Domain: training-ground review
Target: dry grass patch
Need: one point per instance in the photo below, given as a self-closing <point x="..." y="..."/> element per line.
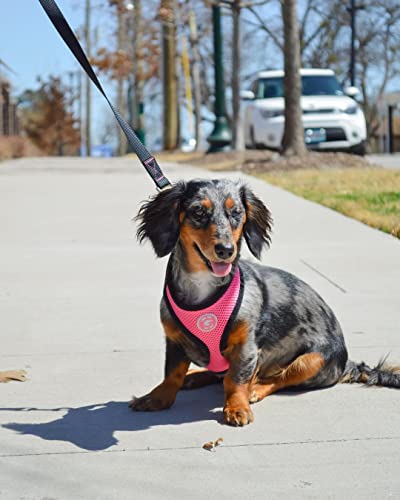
<point x="370" y="195"/>
<point x="343" y="182"/>
<point x="222" y="161"/>
<point x="178" y="156"/>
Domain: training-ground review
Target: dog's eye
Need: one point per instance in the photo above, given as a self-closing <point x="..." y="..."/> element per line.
<point x="198" y="211"/>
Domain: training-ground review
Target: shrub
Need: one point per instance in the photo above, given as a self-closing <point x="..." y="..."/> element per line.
<point x="13" y="146"/>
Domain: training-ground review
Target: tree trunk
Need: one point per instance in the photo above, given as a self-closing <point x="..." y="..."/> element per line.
<point x="194" y="43"/>
<point x="80" y="111"/>
<point x="293" y="137"/>
<point x="138" y="115"/>
<point x="237" y="132"/>
<point x="187" y="85"/>
<point x="170" y="118"/>
<point x="88" y="142"/>
<point x="121" y="45"/>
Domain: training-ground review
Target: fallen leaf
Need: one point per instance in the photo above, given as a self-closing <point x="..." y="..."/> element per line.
<point x="211" y="445"/>
<point x="18" y="375"/>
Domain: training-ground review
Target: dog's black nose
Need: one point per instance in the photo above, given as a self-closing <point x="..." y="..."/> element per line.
<point x="224" y="250"/>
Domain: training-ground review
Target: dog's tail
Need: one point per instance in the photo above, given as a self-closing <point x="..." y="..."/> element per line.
<point x="382" y="374"/>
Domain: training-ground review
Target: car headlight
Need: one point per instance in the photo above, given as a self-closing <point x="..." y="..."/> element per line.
<point x="350" y="110"/>
<point x="271" y="113"/>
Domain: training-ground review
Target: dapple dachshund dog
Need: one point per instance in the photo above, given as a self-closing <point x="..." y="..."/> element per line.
<point x="255" y="328"/>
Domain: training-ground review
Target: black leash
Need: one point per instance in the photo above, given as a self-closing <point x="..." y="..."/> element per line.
<point x="60" y="23"/>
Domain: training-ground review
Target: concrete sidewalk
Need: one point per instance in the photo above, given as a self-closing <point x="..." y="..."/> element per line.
<point x="79" y="311"/>
<point x="385" y="160"/>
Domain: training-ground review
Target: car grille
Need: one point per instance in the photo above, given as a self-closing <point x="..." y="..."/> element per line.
<point x="322" y="111"/>
<point x="335" y="134"/>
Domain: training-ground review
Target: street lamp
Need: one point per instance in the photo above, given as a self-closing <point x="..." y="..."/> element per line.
<point x="221" y="136"/>
<point x="352" y="10"/>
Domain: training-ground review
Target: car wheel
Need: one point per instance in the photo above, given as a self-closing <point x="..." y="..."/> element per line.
<point x="359" y="149"/>
<point x="252" y="144"/>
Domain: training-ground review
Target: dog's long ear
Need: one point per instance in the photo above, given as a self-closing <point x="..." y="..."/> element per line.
<point x="258" y="225"/>
<point x="159" y="219"/>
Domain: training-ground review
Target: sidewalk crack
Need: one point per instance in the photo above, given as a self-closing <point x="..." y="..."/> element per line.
<point x="323" y="276"/>
<point x="184" y="448"/>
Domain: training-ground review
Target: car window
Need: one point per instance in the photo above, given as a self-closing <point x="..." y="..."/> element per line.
<point x="321" y="85"/>
<point x="268" y="88"/>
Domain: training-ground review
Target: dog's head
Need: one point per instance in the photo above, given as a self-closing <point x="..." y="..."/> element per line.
<point x="208" y="218"/>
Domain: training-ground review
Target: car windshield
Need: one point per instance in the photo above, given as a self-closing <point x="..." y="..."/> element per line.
<point x="267" y="88"/>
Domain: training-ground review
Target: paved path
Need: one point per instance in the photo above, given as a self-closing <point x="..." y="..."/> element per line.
<point x="385" y="160"/>
<point x="78" y="311"/>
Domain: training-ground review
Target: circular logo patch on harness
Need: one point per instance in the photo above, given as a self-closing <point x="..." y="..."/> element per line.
<point x="207" y="322"/>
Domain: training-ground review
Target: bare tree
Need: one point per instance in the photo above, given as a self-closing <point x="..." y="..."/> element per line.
<point x="193" y="22"/>
<point x="135" y="56"/>
<point x="88" y="83"/>
<point x="121" y="48"/>
<point x="170" y="121"/>
<point x="237" y="136"/>
<point x="293" y="136"/>
<point x="139" y="63"/>
<point x="236" y="7"/>
<point x="194" y="42"/>
<point x="377" y="55"/>
<point x="107" y="131"/>
<point x="117" y="62"/>
<point x="319" y="24"/>
<point x="324" y="33"/>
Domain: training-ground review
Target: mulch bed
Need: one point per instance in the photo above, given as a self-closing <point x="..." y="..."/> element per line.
<point x="312" y="160"/>
<point x="256" y="161"/>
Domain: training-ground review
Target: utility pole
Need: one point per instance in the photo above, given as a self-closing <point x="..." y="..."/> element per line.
<point x="88" y="82"/>
<point x="170" y="84"/>
<point x="353" y="39"/>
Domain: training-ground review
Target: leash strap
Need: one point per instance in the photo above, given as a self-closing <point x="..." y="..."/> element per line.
<point x="61" y="25"/>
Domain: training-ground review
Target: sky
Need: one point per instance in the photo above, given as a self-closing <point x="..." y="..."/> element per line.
<point x="31" y="46"/>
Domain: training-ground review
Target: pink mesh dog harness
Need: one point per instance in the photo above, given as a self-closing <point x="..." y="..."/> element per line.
<point x="211" y="323"/>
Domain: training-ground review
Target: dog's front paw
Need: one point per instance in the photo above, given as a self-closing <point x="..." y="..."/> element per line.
<point x="238" y="416"/>
<point x="150" y="402"/>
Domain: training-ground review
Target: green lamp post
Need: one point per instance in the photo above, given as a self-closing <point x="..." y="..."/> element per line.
<point x="221" y="136"/>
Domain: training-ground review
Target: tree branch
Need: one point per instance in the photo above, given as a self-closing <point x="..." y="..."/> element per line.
<point x="264" y="27"/>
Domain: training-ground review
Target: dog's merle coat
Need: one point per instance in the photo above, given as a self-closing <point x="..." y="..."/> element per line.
<point x="288" y="328"/>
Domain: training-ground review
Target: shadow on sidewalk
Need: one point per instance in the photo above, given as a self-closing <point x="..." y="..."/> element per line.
<point x="92" y="427"/>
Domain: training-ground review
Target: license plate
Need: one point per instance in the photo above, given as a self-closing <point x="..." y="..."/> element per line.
<point x="314" y="135"/>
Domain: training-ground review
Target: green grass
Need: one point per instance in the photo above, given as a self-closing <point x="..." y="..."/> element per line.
<point x="370" y="195"/>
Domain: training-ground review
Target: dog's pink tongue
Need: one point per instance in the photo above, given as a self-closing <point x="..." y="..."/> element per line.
<point x="221" y="268"/>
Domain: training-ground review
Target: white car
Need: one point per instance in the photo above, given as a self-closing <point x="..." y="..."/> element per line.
<point x="332" y="120"/>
